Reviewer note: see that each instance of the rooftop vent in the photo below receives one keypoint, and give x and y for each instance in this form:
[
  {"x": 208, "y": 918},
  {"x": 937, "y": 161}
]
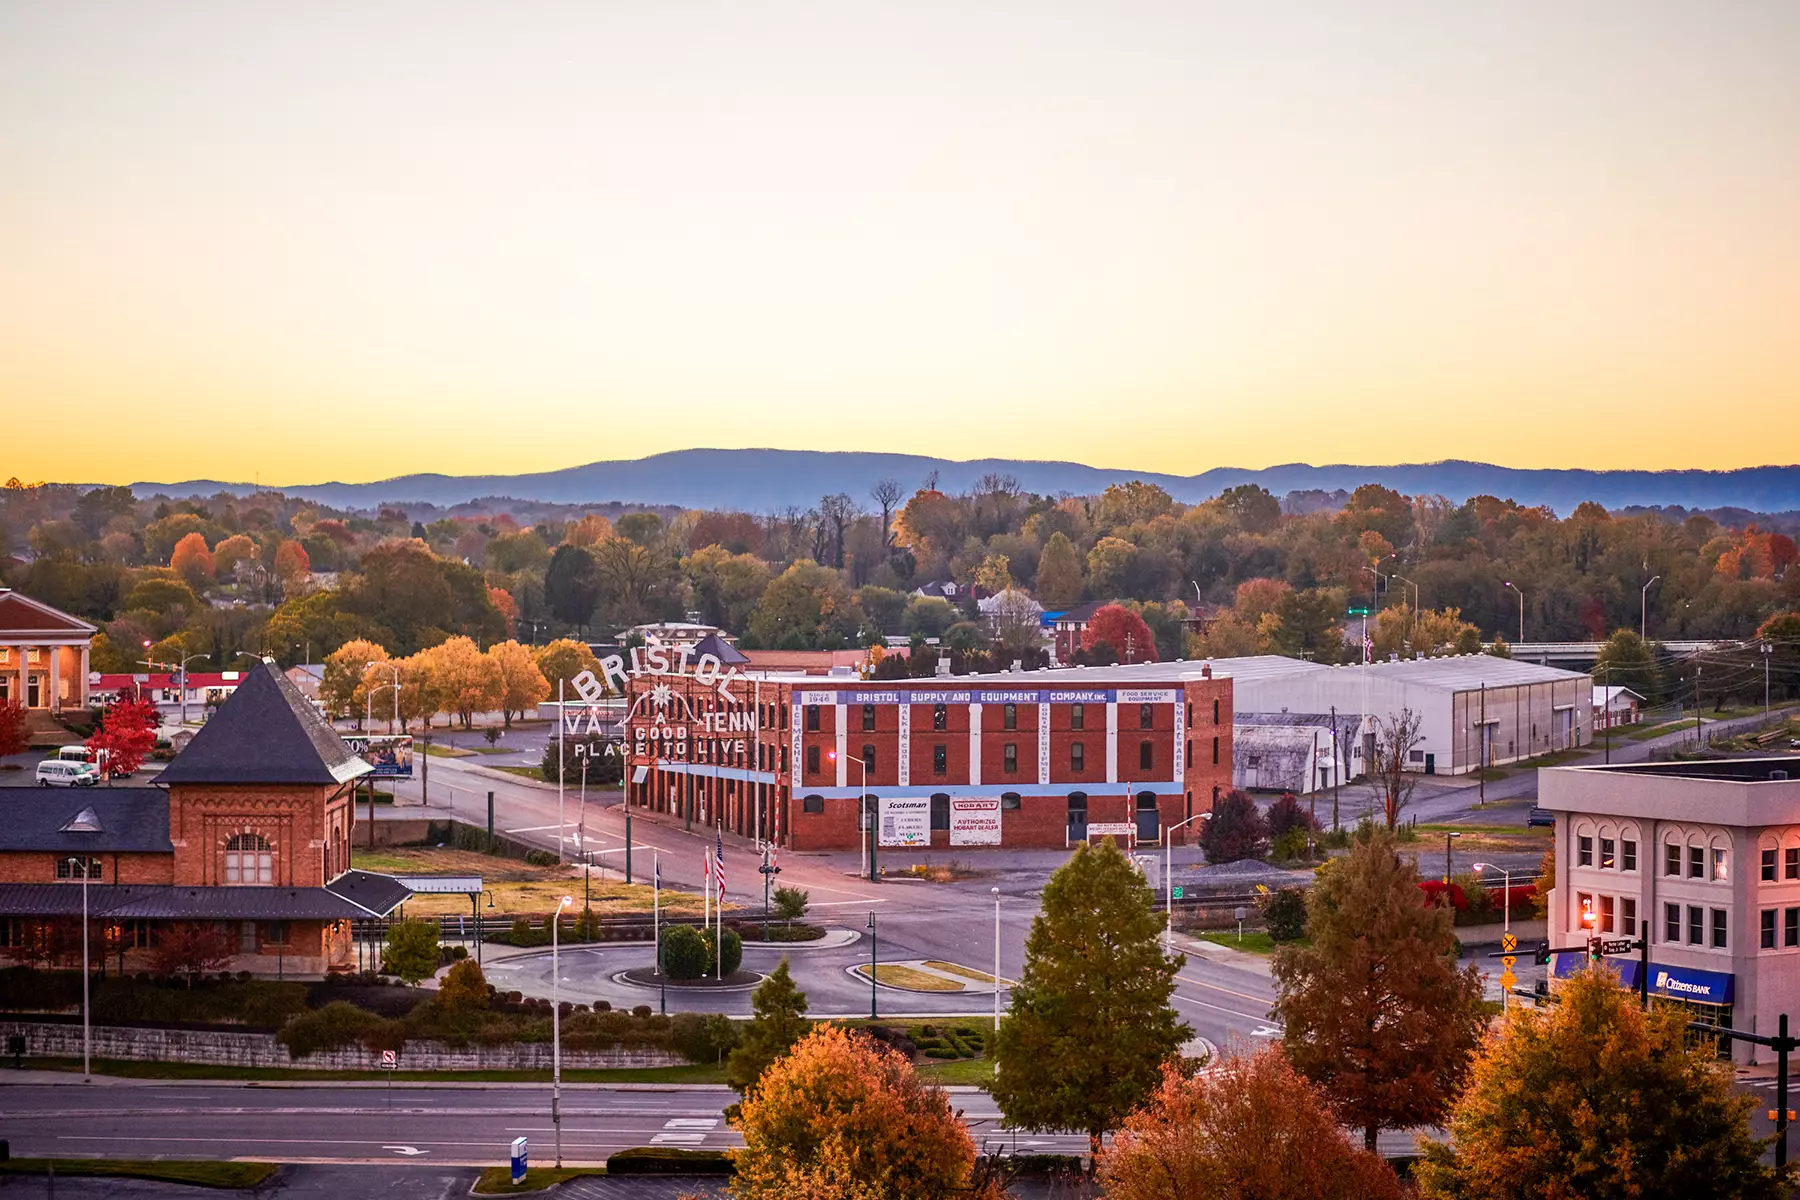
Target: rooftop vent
[{"x": 1778, "y": 774}]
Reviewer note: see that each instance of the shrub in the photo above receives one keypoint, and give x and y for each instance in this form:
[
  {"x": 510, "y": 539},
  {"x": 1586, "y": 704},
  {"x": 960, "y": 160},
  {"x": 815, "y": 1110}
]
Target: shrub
[
  {"x": 733, "y": 952},
  {"x": 540, "y": 858},
  {"x": 465, "y": 988},
  {"x": 790, "y": 903},
  {"x": 1285, "y": 914},
  {"x": 411, "y": 951},
  {"x": 331, "y": 1028},
  {"x": 684, "y": 952},
  {"x": 1287, "y": 814},
  {"x": 1289, "y": 846},
  {"x": 1481, "y": 906},
  {"x": 1439, "y": 894},
  {"x": 1236, "y": 831}
]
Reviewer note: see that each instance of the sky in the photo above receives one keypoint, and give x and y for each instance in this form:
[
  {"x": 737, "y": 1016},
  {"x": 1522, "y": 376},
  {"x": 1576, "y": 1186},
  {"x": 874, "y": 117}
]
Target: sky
[{"x": 304, "y": 242}]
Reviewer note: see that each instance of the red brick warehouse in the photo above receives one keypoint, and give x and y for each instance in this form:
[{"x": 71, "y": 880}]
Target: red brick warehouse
[{"x": 1015, "y": 759}]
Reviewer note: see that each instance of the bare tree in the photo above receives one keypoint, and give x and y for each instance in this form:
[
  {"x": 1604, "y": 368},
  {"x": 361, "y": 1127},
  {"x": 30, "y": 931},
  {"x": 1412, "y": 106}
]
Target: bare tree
[
  {"x": 835, "y": 512},
  {"x": 1395, "y": 737},
  {"x": 886, "y": 493}
]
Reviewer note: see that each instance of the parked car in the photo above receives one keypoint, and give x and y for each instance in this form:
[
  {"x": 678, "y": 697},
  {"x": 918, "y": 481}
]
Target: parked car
[
  {"x": 54, "y": 772},
  {"x": 1540, "y": 817}
]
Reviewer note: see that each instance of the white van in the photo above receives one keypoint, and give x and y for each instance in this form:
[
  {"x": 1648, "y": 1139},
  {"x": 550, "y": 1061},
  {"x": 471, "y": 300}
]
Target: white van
[
  {"x": 75, "y": 754},
  {"x": 53, "y": 772}
]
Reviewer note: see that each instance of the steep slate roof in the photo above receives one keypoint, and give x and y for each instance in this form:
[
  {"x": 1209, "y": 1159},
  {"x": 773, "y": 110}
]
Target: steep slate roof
[
  {"x": 19, "y": 613},
  {"x": 131, "y": 819},
  {"x": 720, "y": 649},
  {"x": 162, "y": 902},
  {"x": 379, "y": 895},
  {"x": 266, "y": 731}
]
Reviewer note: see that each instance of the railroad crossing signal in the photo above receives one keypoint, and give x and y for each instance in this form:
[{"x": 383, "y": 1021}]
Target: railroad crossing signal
[{"x": 1509, "y": 942}]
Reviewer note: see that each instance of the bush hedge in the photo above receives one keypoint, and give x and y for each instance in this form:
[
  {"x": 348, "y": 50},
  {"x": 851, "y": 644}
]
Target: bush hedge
[{"x": 684, "y": 953}]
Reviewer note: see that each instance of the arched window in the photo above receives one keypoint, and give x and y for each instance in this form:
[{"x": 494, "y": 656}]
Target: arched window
[{"x": 249, "y": 860}]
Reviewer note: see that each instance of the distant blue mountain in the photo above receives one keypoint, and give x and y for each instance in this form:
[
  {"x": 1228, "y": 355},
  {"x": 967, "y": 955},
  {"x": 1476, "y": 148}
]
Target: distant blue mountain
[{"x": 768, "y": 480}]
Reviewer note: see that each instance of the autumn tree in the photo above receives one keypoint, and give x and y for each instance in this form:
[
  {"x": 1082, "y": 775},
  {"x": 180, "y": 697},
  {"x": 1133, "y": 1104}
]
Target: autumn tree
[
  {"x": 292, "y": 565},
  {"x": 344, "y": 687},
  {"x": 126, "y": 735},
  {"x": 572, "y": 586},
  {"x": 420, "y": 699},
  {"x": 1123, "y": 631},
  {"x": 562, "y": 660},
  {"x": 192, "y": 560},
  {"x": 1389, "y": 776},
  {"x": 465, "y": 680},
  {"x": 13, "y": 732},
  {"x": 1594, "y": 1097},
  {"x": 522, "y": 683},
  {"x": 1236, "y": 830},
  {"x": 725, "y": 586},
  {"x": 1090, "y": 1020},
  {"x": 844, "y": 1118},
  {"x": 189, "y": 948},
  {"x": 1250, "y": 1128},
  {"x": 780, "y": 1022},
  {"x": 1376, "y": 1012},
  {"x": 237, "y": 548},
  {"x": 1059, "y": 573},
  {"x": 807, "y": 606}
]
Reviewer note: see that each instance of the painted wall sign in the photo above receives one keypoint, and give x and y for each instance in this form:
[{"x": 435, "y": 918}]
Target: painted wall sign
[
  {"x": 617, "y": 673},
  {"x": 905, "y": 821}
]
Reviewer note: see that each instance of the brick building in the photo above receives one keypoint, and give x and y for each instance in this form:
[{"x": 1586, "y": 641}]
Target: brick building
[
  {"x": 1017, "y": 759},
  {"x": 248, "y": 831}
]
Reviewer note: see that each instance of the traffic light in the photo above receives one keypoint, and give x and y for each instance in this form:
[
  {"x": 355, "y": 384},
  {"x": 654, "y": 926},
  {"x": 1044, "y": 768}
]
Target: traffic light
[{"x": 1541, "y": 956}]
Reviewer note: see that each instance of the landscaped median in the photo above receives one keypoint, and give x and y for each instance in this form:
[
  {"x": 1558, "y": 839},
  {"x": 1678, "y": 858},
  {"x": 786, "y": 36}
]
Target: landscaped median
[
  {"x": 644, "y": 1160},
  {"x": 196, "y": 1174}
]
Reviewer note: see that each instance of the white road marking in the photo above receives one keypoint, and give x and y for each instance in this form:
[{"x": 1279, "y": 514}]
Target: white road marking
[
  {"x": 683, "y": 1139},
  {"x": 408, "y": 1151},
  {"x": 849, "y": 903},
  {"x": 693, "y": 1123}
]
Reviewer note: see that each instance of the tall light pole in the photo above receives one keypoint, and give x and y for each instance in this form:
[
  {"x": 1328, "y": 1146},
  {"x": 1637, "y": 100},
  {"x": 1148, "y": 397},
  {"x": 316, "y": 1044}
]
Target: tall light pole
[
  {"x": 1449, "y": 840},
  {"x": 556, "y": 1027},
  {"x": 1505, "y": 909},
  {"x": 369, "y": 701},
  {"x": 1521, "y": 595},
  {"x": 874, "y": 963},
  {"x": 1169, "y": 879},
  {"x": 1644, "y": 609},
  {"x": 562, "y": 723},
  {"x": 1412, "y": 632},
  {"x": 862, "y": 813},
  {"x": 1767, "y": 649},
  {"x": 86, "y": 1007},
  {"x": 395, "y": 668},
  {"x": 996, "y": 892}
]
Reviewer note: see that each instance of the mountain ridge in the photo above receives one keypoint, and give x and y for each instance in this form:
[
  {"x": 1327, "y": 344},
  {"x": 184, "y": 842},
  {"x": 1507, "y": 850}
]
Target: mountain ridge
[{"x": 760, "y": 480}]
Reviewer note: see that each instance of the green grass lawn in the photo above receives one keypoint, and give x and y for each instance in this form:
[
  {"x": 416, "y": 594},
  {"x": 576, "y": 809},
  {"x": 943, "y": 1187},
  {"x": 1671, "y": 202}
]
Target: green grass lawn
[
  {"x": 970, "y": 1072},
  {"x": 1656, "y": 731},
  {"x": 199, "y": 1174},
  {"x": 1254, "y": 942},
  {"x": 131, "y": 1069},
  {"x": 522, "y": 772},
  {"x": 497, "y": 1181}
]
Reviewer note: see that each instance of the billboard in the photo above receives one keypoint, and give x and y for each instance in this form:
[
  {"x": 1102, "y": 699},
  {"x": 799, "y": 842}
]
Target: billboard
[
  {"x": 975, "y": 821},
  {"x": 390, "y": 754},
  {"x": 906, "y": 821}
]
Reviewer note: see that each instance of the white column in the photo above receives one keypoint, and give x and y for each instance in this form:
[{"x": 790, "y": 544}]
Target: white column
[
  {"x": 1112, "y": 741},
  {"x": 1043, "y": 744},
  {"x": 81, "y": 685},
  {"x": 905, "y": 744},
  {"x": 56, "y": 679},
  {"x": 974, "y": 744},
  {"x": 843, "y": 744}
]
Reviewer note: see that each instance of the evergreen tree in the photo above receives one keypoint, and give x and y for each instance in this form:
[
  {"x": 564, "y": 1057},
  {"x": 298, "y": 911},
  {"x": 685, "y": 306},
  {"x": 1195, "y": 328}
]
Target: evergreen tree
[
  {"x": 1090, "y": 1023},
  {"x": 780, "y": 1022},
  {"x": 1625, "y": 660},
  {"x": 1596, "y": 1098},
  {"x": 1059, "y": 573},
  {"x": 1377, "y": 1013}
]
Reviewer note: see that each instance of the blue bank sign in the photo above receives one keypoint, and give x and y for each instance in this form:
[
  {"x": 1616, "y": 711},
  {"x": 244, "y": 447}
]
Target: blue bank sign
[{"x": 1678, "y": 983}]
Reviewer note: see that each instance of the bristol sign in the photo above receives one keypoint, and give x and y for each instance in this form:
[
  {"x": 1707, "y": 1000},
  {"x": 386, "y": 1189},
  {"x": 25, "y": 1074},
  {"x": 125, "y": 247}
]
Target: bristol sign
[{"x": 708, "y": 671}]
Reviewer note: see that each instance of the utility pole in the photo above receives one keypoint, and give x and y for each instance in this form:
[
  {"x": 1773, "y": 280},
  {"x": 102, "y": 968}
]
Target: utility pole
[
  {"x": 1767, "y": 649},
  {"x": 1481, "y": 754},
  {"x": 1337, "y": 769}
]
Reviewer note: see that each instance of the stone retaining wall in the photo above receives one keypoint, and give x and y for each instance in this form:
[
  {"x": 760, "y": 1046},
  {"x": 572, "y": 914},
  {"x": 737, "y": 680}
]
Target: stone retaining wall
[{"x": 230, "y": 1048}]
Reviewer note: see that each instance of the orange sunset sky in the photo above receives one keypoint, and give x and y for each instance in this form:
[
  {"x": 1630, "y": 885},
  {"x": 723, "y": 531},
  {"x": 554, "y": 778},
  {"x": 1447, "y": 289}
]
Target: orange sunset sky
[{"x": 343, "y": 241}]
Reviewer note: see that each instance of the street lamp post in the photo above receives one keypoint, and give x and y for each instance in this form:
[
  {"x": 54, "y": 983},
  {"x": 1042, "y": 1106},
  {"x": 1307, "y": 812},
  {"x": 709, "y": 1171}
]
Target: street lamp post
[
  {"x": 556, "y": 1027},
  {"x": 862, "y": 814},
  {"x": 874, "y": 963},
  {"x": 86, "y": 1009},
  {"x": 1644, "y": 609},
  {"x": 996, "y": 892},
  {"x": 1413, "y": 630},
  {"x": 1449, "y": 840},
  {"x": 369, "y": 702},
  {"x": 1521, "y": 595},
  {"x": 395, "y": 719},
  {"x": 1169, "y": 879},
  {"x": 1505, "y": 909}
]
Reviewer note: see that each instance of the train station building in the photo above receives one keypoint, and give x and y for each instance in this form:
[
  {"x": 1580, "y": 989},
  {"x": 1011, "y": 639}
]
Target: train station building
[{"x": 1011, "y": 759}]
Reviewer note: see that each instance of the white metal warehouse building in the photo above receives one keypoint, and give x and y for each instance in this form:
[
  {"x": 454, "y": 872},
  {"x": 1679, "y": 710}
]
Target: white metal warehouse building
[{"x": 1515, "y": 710}]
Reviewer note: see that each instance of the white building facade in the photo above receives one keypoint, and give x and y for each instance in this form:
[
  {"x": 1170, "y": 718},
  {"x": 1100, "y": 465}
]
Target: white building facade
[{"x": 1704, "y": 857}]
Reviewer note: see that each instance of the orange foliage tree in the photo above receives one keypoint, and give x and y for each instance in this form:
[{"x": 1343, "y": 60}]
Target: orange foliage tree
[
  {"x": 843, "y": 1117},
  {"x": 509, "y": 608},
  {"x": 522, "y": 684},
  {"x": 12, "y": 727},
  {"x": 1124, "y": 631},
  {"x": 1252, "y": 1127},
  {"x": 192, "y": 560},
  {"x": 292, "y": 564},
  {"x": 465, "y": 680}
]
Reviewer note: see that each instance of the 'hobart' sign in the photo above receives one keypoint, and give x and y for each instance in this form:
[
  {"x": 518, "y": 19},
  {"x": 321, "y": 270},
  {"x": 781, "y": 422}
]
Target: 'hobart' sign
[{"x": 708, "y": 670}]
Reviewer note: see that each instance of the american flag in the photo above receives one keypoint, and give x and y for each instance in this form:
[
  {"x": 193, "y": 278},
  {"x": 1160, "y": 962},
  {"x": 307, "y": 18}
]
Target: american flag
[{"x": 719, "y": 864}]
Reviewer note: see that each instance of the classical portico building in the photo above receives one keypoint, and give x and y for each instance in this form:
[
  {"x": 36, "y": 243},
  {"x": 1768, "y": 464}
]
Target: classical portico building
[{"x": 43, "y": 654}]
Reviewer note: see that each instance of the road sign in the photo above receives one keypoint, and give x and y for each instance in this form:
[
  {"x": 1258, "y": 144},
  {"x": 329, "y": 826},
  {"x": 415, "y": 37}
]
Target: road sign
[
  {"x": 390, "y": 1061},
  {"x": 1507, "y": 979},
  {"x": 1507, "y": 961},
  {"x": 1618, "y": 946},
  {"x": 1178, "y": 891},
  {"x": 1509, "y": 942},
  {"x": 518, "y": 1160}
]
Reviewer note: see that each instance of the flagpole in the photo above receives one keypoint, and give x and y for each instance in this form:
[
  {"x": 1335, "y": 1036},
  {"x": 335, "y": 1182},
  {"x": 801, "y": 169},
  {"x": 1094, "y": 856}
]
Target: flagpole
[
  {"x": 561, "y": 724},
  {"x": 719, "y": 934},
  {"x": 656, "y": 911}
]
